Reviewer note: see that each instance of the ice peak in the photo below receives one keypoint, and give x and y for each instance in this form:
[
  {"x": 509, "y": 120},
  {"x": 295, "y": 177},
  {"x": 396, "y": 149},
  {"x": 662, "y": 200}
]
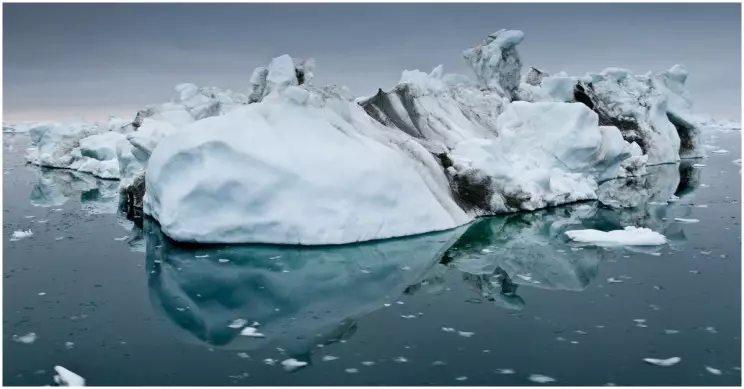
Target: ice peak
[{"x": 496, "y": 63}]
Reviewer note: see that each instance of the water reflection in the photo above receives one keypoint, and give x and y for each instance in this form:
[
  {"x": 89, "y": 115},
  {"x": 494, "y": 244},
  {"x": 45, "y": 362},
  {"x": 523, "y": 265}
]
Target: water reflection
[
  {"x": 305, "y": 296},
  {"x": 56, "y": 186},
  {"x": 301, "y": 296}
]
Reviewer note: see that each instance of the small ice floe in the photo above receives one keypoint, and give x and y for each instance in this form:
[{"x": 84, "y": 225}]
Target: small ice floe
[
  {"x": 42, "y": 221},
  {"x": 244, "y": 355},
  {"x": 368, "y": 363},
  {"x": 438, "y": 363},
  {"x": 69, "y": 345},
  {"x": 486, "y": 251},
  {"x": 352, "y": 371},
  {"x": 711, "y": 330},
  {"x": 663, "y": 362},
  {"x": 574, "y": 342},
  {"x": 30, "y": 217},
  {"x": 683, "y": 220},
  {"x": 656, "y": 203},
  {"x": 736, "y": 368},
  {"x": 526, "y": 277},
  {"x": 737, "y": 162},
  {"x": 448, "y": 329},
  {"x": 540, "y": 379},
  {"x": 699, "y": 165},
  {"x": 59, "y": 238},
  {"x": 654, "y": 307},
  {"x": 600, "y": 326},
  {"x": 365, "y": 271},
  {"x": 560, "y": 339},
  {"x": 671, "y": 332},
  {"x": 255, "y": 324},
  {"x": 122, "y": 238},
  {"x": 269, "y": 362},
  {"x": 405, "y": 268},
  {"x": 639, "y": 320},
  {"x": 57, "y": 209},
  {"x": 400, "y": 360},
  {"x": 222, "y": 260},
  {"x": 461, "y": 378},
  {"x": 42, "y": 294},
  {"x": 292, "y": 364},
  {"x": 21, "y": 234},
  {"x": 252, "y": 332},
  {"x": 641, "y": 325},
  {"x": 713, "y": 370},
  {"x": 505, "y": 371},
  {"x": 629, "y": 236},
  {"x": 328, "y": 358},
  {"x": 276, "y": 257},
  {"x": 706, "y": 252},
  {"x": 465, "y": 334},
  {"x": 695, "y": 271},
  {"x": 27, "y": 339},
  {"x": 408, "y": 316},
  {"x": 720, "y": 151},
  {"x": 399, "y": 302},
  {"x": 201, "y": 256},
  {"x": 613, "y": 280},
  {"x": 701, "y": 206},
  {"x": 386, "y": 305},
  {"x": 65, "y": 377}
]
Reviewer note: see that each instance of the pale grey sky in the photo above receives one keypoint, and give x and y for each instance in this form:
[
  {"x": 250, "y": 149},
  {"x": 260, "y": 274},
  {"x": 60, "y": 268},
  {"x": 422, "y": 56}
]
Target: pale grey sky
[{"x": 64, "y": 61}]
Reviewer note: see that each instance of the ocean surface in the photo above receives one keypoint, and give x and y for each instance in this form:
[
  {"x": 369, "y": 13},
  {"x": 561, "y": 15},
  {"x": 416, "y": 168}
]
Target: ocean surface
[{"x": 504, "y": 301}]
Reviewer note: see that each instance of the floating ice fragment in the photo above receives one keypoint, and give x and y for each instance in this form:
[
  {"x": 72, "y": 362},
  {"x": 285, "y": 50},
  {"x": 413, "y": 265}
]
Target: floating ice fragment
[
  {"x": 59, "y": 238},
  {"x": 400, "y": 360},
  {"x": 712, "y": 370},
  {"x": 465, "y": 334},
  {"x": 269, "y": 362},
  {"x": 399, "y": 302},
  {"x": 201, "y": 256},
  {"x": 505, "y": 371},
  {"x": 711, "y": 330},
  {"x": 222, "y": 260},
  {"x": 462, "y": 378},
  {"x": 574, "y": 342},
  {"x": 238, "y": 323},
  {"x": 663, "y": 362},
  {"x": 65, "y": 377},
  {"x": 368, "y": 363},
  {"x": 21, "y": 234},
  {"x": 683, "y": 220},
  {"x": 720, "y": 151},
  {"x": 737, "y": 162},
  {"x": 42, "y": 294},
  {"x": 486, "y": 251},
  {"x": 408, "y": 316},
  {"x": 699, "y": 165},
  {"x": 540, "y": 379},
  {"x": 438, "y": 363},
  {"x": 701, "y": 206},
  {"x": 69, "y": 345},
  {"x": 276, "y": 257},
  {"x": 629, "y": 236},
  {"x": 122, "y": 238},
  {"x": 327, "y": 358},
  {"x": 639, "y": 320},
  {"x": 252, "y": 332},
  {"x": 613, "y": 280},
  {"x": 292, "y": 364},
  {"x": 352, "y": 371},
  {"x": 405, "y": 268},
  {"x": 27, "y": 339},
  {"x": 525, "y": 277},
  {"x": 244, "y": 355},
  {"x": 580, "y": 332},
  {"x": 671, "y": 332},
  {"x": 386, "y": 305}
]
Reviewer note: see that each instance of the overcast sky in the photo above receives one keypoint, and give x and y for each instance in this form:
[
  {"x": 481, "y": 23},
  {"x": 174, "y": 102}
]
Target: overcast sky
[{"x": 65, "y": 61}]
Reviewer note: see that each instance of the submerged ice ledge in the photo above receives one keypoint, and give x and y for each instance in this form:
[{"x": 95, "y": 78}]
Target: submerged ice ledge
[{"x": 288, "y": 162}]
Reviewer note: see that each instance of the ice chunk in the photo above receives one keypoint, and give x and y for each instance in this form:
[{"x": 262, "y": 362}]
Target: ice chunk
[
  {"x": 465, "y": 334},
  {"x": 21, "y": 234},
  {"x": 238, "y": 323},
  {"x": 327, "y": 358},
  {"x": 720, "y": 151},
  {"x": 663, "y": 362},
  {"x": 541, "y": 379},
  {"x": 400, "y": 360},
  {"x": 505, "y": 371},
  {"x": 292, "y": 364},
  {"x": 684, "y": 220},
  {"x": 352, "y": 370},
  {"x": 629, "y": 236},
  {"x": 27, "y": 339},
  {"x": 67, "y": 378},
  {"x": 252, "y": 332},
  {"x": 713, "y": 371}
]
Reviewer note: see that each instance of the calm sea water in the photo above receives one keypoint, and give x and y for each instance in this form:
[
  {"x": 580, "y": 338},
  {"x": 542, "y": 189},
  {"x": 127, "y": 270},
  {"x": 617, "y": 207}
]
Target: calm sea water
[{"x": 492, "y": 303}]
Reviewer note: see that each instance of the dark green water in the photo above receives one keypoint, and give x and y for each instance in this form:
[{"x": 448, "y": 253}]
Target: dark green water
[{"x": 451, "y": 308}]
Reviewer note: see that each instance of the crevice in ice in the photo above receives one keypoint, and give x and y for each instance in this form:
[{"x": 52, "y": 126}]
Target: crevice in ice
[{"x": 685, "y": 132}]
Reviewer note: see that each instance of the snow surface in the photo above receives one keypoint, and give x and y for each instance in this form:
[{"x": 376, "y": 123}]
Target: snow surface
[
  {"x": 255, "y": 175},
  {"x": 629, "y": 236}
]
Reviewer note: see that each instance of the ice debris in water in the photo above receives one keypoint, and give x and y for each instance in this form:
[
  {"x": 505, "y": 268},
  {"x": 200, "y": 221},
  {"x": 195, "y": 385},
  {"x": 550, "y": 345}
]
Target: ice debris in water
[
  {"x": 639, "y": 320},
  {"x": 27, "y": 339},
  {"x": 238, "y": 323},
  {"x": 737, "y": 162},
  {"x": 629, "y": 236},
  {"x": 65, "y": 377},
  {"x": 671, "y": 332},
  {"x": 252, "y": 332},
  {"x": 400, "y": 360},
  {"x": 683, "y": 220},
  {"x": 663, "y": 362},
  {"x": 711, "y": 330},
  {"x": 673, "y": 198},
  {"x": 712, "y": 370},
  {"x": 613, "y": 280},
  {"x": 720, "y": 151},
  {"x": 327, "y": 358},
  {"x": 352, "y": 371},
  {"x": 408, "y": 316},
  {"x": 702, "y": 206},
  {"x": 438, "y": 363},
  {"x": 69, "y": 345},
  {"x": 243, "y": 355},
  {"x": 269, "y": 362},
  {"x": 462, "y": 378},
  {"x": 541, "y": 379},
  {"x": 292, "y": 364},
  {"x": 465, "y": 334},
  {"x": 368, "y": 363},
  {"x": 201, "y": 256},
  {"x": 21, "y": 234},
  {"x": 699, "y": 165},
  {"x": 122, "y": 238},
  {"x": 448, "y": 329},
  {"x": 505, "y": 371},
  {"x": 222, "y": 260}
]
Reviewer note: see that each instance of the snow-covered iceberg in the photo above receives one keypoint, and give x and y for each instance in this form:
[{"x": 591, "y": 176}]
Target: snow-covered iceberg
[{"x": 289, "y": 162}]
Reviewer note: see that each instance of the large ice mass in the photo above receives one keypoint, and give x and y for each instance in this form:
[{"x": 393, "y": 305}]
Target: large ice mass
[{"x": 288, "y": 162}]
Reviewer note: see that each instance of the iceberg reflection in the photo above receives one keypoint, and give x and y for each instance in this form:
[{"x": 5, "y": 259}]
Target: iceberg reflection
[
  {"x": 300, "y": 296},
  {"x": 56, "y": 186}
]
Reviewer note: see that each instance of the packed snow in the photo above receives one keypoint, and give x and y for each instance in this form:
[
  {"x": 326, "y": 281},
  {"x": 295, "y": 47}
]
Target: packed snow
[{"x": 629, "y": 236}]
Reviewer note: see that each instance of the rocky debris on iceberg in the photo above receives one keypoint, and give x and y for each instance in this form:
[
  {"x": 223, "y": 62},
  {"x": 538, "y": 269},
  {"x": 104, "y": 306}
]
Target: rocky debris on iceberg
[{"x": 432, "y": 153}]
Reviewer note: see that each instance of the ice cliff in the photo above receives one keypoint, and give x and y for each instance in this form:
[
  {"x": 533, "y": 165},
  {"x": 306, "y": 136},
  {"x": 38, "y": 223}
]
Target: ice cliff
[{"x": 289, "y": 162}]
